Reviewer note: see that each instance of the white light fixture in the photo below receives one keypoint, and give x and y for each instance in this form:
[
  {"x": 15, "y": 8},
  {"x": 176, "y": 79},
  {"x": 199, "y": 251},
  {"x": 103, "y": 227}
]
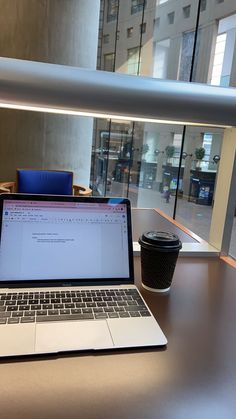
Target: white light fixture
[{"x": 61, "y": 89}]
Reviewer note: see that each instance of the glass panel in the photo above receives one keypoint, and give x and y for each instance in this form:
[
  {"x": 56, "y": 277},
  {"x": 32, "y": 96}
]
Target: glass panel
[
  {"x": 109, "y": 62},
  {"x": 112, "y": 10},
  {"x": 155, "y": 165},
  {"x": 165, "y": 50},
  {"x": 200, "y": 163},
  {"x": 137, "y": 6},
  {"x": 133, "y": 61}
]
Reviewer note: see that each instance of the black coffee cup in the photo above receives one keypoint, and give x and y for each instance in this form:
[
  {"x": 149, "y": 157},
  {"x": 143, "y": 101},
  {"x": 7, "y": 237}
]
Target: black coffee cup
[{"x": 159, "y": 254}]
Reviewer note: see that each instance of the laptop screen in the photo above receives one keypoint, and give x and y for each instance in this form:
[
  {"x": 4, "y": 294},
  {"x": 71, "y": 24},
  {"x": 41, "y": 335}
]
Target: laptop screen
[{"x": 65, "y": 239}]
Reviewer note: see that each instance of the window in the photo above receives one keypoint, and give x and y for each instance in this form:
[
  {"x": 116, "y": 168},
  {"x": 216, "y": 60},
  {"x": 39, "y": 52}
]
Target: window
[
  {"x": 160, "y": 59},
  {"x": 143, "y": 27},
  {"x": 171, "y": 18},
  {"x": 177, "y": 141},
  {"x": 112, "y": 10},
  {"x": 130, "y": 32},
  {"x": 106, "y": 39},
  {"x": 218, "y": 59},
  {"x": 133, "y": 60},
  {"x": 161, "y": 1},
  {"x": 219, "y": 1},
  {"x": 203, "y": 5},
  {"x": 156, "y": 22},
  {"x": 109, "y": 62},
  {"x": 186, "y": 11},
  {"x": 186, "y": 56},
  {"x": 137, "y": 6},
  {"x": 206, "y": 144}
]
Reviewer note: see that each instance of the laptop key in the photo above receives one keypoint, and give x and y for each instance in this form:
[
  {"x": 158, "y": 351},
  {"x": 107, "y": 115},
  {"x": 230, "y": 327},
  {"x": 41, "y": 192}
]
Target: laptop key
[
  {"x": 36, "y": 307},
  {"x": 119, "y": 309},
  {"x": 101, "y": 316},
  {"x": 29, "y": 313},
  {"x": 134, "y": 314},
  {"x": 5, "y": 314},
  {"x": 145, "y": 313},
  {"x": 53, "y": 312},
  {"x": 44, "y": 301},
  {"x": 47, "y": 306},
  {"x": 2, "y": 308},
  {"x": 98, "y": 310},
  {"x": 87, "y": 310},
  {"x": 107, "y": 299},
  {"x": 17, "y": 314},
  {"x": 113, "y": 315},
  {"x": 91, "y": 305},
  {"x": 21, "y": 302},
  {"x": 65, "y": 311},
  {"x": 66, "y": 300},
  {"x": 109, "y": 309},
  {"x": 80, "y": 305},
  {"x": 5, "y": 297},
  {"x": 3, "y": 321},
  {"x": 13, "y": 320},
  {"x": 12, "y": 308},
  {"x": 77, "y": 300},
  {"x": 76, "y": 311},
  {"x": 31, "y": 302},
  {"x": 112, "y": 303},
  {"x": 28, "y": 319},
  {"x": 124, "y": 314},
  {"x": 60, "y": 305},
  {"x": 64, "y": 317},
  {"x": 133, "y": 308},
  {"x": 24, "y": 307},
  {"x": 122, "y": 303},
  {"x": 11, "y": 303},
  {"x": 41, "y": 312},
  {"x": 87, "y": 300}
]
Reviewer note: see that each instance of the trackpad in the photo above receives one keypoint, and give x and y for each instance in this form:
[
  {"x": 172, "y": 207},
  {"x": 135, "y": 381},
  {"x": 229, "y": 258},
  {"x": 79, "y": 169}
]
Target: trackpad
[{"x": 66, "y": 336}]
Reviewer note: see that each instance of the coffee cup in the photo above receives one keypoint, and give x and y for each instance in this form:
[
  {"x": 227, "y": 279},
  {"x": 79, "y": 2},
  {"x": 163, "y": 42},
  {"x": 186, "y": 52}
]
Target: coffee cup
[{"x": 159, "y": 254}]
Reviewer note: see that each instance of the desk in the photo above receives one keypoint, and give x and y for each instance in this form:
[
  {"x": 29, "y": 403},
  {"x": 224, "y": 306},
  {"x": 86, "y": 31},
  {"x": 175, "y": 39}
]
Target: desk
[{"x": 193, "y": 378}]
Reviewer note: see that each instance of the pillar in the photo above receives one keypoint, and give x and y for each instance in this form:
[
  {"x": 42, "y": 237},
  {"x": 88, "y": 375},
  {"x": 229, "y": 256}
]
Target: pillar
[
  {"x": 225, "y": 192},
  {"x": 54, "y": 31}
]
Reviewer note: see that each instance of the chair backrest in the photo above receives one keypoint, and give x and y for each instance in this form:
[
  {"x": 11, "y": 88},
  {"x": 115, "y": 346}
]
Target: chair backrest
[{"x": 44, "y": 182}]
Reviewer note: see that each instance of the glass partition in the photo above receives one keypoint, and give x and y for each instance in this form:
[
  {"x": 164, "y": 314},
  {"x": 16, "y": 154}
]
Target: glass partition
[{"x": 170, "y": 167}]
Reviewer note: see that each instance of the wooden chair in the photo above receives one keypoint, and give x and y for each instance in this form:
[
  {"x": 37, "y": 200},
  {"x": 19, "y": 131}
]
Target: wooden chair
[{"x": 52, "y": 182}]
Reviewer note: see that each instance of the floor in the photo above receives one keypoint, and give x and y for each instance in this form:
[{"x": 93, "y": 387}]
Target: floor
[{"x": 195, "y": 217}]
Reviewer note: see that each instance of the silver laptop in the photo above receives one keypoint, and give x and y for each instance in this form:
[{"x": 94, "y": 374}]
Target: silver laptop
[{"x": 66, "y": 277}]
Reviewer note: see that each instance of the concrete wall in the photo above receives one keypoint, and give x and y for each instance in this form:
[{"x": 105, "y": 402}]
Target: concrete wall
[{"x": 55, "y": 31}]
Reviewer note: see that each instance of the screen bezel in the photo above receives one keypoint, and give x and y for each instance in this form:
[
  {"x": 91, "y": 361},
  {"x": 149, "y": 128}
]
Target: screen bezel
[{"x": 72, "y": 282}]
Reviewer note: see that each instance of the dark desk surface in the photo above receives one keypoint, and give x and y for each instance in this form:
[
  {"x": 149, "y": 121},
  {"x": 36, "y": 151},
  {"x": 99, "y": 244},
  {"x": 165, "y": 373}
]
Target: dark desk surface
[
  {"x": 193, "y": 378},
  {"x": 150, "y": 219}
]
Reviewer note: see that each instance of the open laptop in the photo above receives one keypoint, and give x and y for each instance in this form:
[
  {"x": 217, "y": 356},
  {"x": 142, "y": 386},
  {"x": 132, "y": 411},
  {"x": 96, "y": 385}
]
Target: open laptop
[{"x": 66, "y": 277}]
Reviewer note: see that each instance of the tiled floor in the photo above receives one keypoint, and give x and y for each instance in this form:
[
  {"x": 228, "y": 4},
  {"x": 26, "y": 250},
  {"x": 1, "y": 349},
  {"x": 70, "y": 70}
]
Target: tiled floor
[{"x": 196, "y": 218}]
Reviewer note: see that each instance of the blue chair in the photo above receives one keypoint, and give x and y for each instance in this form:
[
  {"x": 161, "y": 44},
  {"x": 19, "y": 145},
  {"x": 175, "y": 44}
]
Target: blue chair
[{"x": 51, "y": 182}]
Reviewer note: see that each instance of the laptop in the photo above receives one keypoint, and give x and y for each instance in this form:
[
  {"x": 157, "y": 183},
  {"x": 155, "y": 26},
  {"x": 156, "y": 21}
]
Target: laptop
[{"x": 67, "y": 278}]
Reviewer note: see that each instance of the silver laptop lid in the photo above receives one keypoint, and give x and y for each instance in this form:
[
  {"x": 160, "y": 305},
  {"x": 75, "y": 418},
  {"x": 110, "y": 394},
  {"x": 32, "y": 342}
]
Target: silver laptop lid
[{"x": 49, "y": 240}]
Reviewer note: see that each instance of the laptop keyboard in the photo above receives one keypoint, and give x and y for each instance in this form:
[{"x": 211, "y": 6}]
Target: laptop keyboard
[{"x": 48, "y": 306}]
